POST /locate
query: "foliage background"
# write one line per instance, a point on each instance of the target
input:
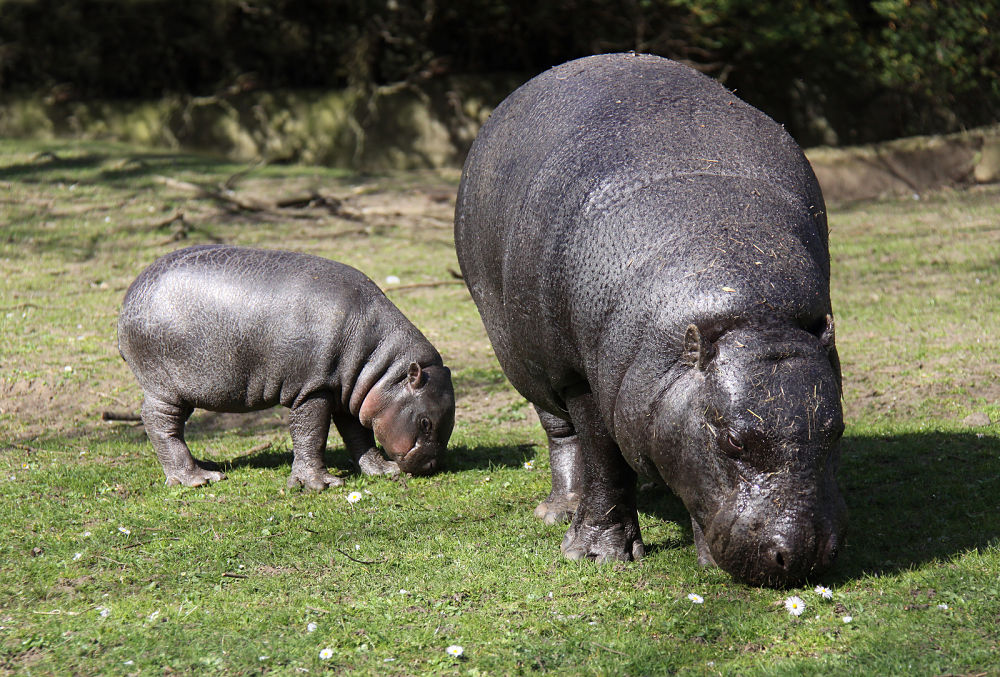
(837, 72)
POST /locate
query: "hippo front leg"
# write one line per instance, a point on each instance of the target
(309, 424)
(605, 525)
(360, 444)
(164, 423)
(564, 458)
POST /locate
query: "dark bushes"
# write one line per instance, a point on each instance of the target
(833, 72)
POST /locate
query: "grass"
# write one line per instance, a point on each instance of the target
(108, 571)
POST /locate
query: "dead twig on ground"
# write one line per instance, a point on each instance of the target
(119, 416)
(420, 285)
(361, 561)
(224, 196)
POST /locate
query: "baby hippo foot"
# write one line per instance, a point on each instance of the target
(316, 479)
(373, 463)
(200, 474)
(605, 542)
(557, 509)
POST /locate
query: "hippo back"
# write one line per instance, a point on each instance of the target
(613, 200)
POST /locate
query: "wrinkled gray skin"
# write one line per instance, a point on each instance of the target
(236, 329)
(649, 256)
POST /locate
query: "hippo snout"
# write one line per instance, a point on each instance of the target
(793, 556)
(764, 546)
(422, 459)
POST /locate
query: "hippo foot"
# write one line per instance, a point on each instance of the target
(373, 463)
(604, 543)
(201, 474)
(316, 480)
(557, 509)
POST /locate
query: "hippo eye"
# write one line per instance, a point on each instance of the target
(733, 444)
(425, 425)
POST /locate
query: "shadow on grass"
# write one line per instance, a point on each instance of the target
(116, 169)
(912, 498)
(917, 497)
(461, 458)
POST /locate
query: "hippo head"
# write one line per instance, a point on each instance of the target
(414, 418)
(754, 448)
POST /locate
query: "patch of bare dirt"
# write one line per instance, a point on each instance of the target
(912, 166)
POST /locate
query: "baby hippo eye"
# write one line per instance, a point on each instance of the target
(425, 425)
(732, 443)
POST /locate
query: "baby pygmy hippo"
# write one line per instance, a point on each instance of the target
(235, 329)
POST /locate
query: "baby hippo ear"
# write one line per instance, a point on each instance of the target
(696, 348)
(828, 337)
(416, 378)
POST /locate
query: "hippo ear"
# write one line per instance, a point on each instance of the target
(828, 337)
(415, 377)
(696, 349)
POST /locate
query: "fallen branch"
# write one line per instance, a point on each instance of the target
(179, 216)
(360, 561)
(222, 196)
(230, 183)
(119, 416)
(22, 306)
(419, 285)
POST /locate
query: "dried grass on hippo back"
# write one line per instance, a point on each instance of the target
(235, 329)
(649, 257)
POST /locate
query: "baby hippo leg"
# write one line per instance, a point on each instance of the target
(564, 458)
(360, 443)
(164, 424)
(309, 424)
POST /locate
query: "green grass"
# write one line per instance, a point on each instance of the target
(226, 579)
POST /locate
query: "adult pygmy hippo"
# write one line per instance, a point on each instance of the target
(649, 256)
(236, 329)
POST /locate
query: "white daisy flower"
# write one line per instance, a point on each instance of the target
(794, 605)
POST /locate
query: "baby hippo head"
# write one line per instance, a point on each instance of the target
(415, 418)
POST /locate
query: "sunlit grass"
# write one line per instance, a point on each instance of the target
(108, 571)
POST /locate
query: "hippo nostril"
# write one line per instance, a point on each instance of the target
(779, 558)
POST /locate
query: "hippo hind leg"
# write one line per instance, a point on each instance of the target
(309, 424)
(164, 423)
(605, 526)
(564, 458)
